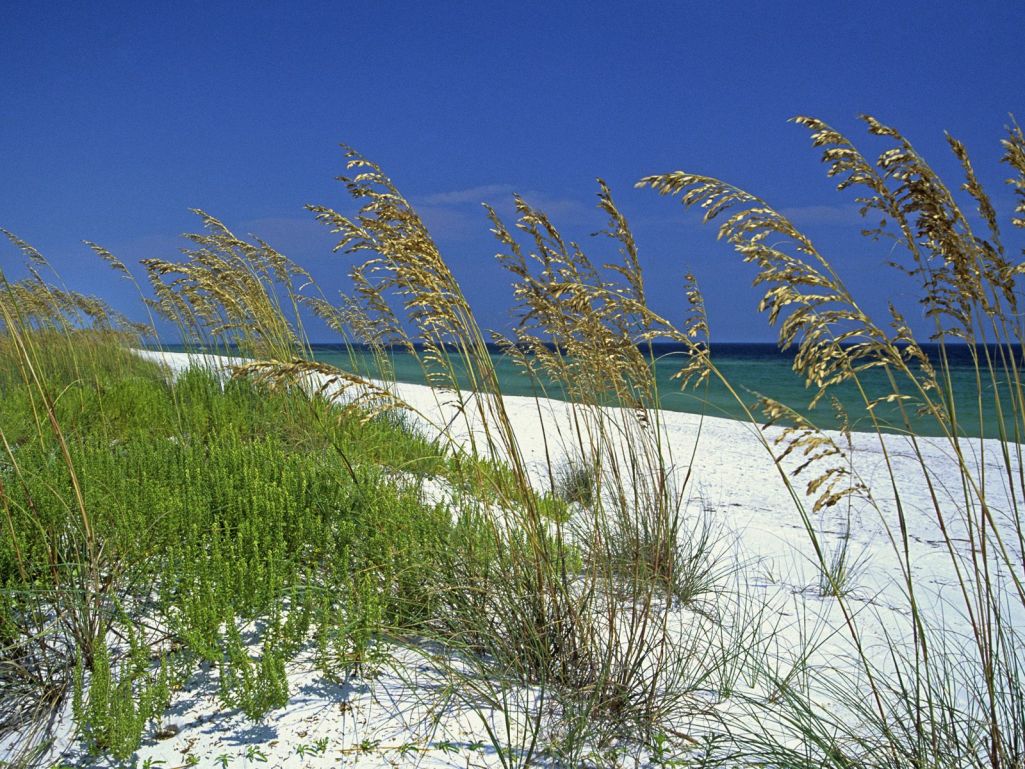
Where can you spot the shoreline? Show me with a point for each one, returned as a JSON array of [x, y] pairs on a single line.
[[725, 463], [760, 370]]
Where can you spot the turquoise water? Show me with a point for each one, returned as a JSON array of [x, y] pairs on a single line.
[[752, 369]]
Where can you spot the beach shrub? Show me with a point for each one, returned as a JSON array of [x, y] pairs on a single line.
[[220, 511]]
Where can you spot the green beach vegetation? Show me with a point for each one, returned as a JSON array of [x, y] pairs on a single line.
[[228, 519]]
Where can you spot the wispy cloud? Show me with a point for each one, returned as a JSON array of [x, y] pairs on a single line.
[[478, 194], [304, 234], [452, 222], [456, 214], [841, 216], [562, 211]]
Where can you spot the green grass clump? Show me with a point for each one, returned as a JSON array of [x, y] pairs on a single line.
[[577, 483]]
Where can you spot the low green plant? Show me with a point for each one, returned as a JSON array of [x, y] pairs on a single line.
[[253, 686], [553, 508], [214, 505], [253, 753], [348, 629], [113, 703]]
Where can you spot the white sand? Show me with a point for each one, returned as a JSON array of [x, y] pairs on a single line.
[[733, 480]]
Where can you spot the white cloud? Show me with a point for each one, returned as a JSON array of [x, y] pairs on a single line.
[[478, 194], [823, 215], [452, 223], [457, 214], [563, 211]]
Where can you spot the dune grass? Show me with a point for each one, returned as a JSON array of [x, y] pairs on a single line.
[[940, 699], [586, 612]]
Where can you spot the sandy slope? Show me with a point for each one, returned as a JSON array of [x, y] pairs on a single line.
[[732, 480]]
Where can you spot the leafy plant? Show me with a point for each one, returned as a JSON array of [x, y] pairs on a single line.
[[115, 702]]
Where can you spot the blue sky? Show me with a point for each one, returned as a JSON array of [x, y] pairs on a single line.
[[115, 119]]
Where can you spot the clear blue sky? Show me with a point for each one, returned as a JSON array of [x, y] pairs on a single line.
[[115, 119]]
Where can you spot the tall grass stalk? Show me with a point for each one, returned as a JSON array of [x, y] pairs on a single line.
[[956, 704]]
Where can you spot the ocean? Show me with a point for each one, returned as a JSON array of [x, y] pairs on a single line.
[[752, 370]]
